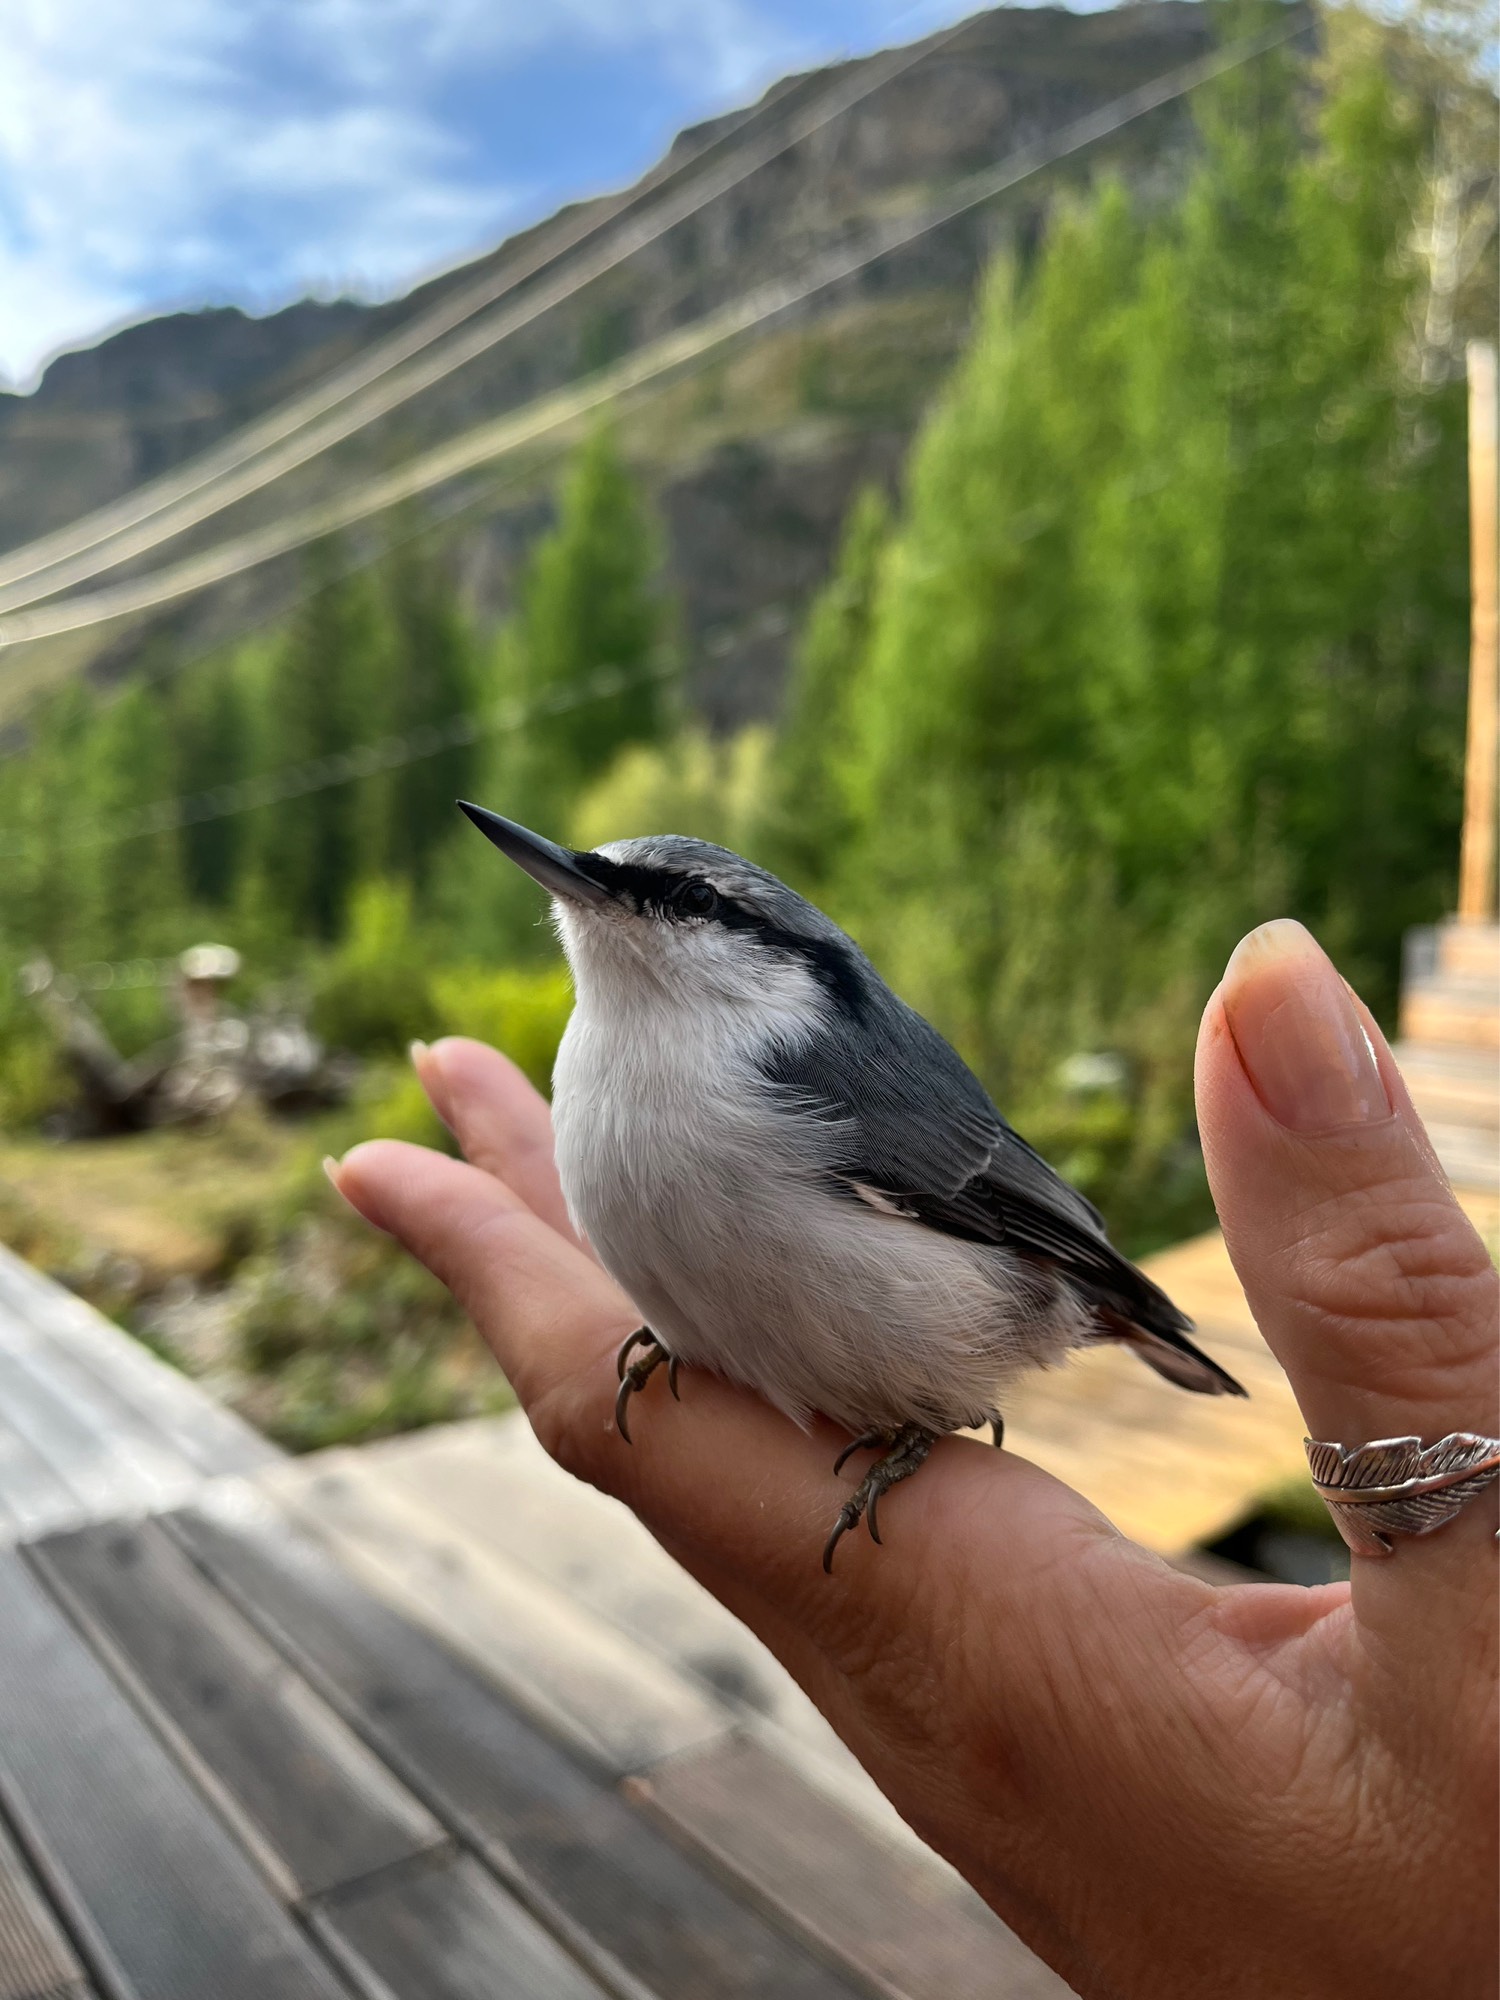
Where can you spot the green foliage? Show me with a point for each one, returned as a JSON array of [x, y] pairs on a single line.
[[588, 605], [424, 677], [804, 816], [689, 784], [33, 1080], [523, 1014], [210, 723], [373, 994], [317, 704]]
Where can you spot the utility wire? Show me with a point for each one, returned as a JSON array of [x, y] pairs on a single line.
[[677, 351], [378, 383]]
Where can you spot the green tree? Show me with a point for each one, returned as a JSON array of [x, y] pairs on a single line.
[[427, 680], [317, 699], [131, 874], [588, 606], [805, 821], [210, 726]]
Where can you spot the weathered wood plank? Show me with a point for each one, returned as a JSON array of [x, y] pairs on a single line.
[[492, 1483], [166, 1904], [33, 1497], [76, 1443], [636, 1912], [442, 1929], [209, 1438], [310, 1800], [578, 1678], [907, 1925], [141, 1461], [36, 1960]]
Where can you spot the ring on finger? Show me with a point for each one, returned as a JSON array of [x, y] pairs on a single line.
[[1399, 1486]]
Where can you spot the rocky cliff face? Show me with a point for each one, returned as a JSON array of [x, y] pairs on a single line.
[[753, 458]]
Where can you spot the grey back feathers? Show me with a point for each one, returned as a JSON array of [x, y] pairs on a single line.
[[798, 1180]]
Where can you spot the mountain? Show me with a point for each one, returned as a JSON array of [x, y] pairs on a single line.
[[752, 455]]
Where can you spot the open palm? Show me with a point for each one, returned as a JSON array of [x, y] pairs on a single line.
[[1165, 1788]]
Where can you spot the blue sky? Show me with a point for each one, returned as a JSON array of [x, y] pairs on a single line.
[[156, 153]]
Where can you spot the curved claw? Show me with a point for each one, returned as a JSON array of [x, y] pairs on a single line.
[[870, 1439], [672, 1367], [870, 1522], [622, 1403], [642, 1337], [997, 1432], [848, 1515]]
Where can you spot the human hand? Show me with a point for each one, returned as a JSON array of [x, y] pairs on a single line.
[[1165, 1788]]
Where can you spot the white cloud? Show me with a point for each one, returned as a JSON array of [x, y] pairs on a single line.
[[159, 150]]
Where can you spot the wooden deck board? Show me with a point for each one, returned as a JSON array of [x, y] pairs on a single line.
[[490, 1482], [33, 1494], [910, 1928], [578, 1679], [633, 1909], [314, 1803], [206, 1437], [166, 1904], [148, 1467], [36, 1960], [442, 1929]]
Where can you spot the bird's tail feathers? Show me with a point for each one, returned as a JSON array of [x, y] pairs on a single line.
[[1179, 1361]]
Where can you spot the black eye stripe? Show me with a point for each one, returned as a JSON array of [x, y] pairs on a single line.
[[650, 890]]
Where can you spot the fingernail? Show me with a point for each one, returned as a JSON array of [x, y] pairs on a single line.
[[430, 1076], [331, 1169], [1299, 1037]]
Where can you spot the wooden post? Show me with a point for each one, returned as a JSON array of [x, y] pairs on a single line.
[[1476, 877]]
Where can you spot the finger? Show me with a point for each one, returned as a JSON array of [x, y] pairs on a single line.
[[499, 1118], [1364, 1274], [544, 1307]]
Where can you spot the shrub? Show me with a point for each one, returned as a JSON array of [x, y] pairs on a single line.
[[373, 992], [521, 1013]]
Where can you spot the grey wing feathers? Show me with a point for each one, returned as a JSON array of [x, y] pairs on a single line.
[[920, 1131]]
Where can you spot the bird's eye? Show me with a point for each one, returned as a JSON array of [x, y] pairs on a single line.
[[694, 898]]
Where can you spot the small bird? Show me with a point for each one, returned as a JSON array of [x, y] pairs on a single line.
[[794, 1177]]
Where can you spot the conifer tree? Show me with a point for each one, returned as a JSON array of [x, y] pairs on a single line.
[[132, 875], [588, 604], [805, 819], [316, 702], [427, 678], [209, 723]]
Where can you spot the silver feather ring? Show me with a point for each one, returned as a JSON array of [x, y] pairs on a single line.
[[1399, 1486]]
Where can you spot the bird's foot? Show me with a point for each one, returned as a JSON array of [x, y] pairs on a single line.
[[907, 1449], [634, 1375]]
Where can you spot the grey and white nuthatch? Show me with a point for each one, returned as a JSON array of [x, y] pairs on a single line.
[[795, 1178]]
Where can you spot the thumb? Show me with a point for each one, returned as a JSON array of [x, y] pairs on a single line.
[[1364, 1274]]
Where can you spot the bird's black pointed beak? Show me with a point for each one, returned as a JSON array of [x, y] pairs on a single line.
[[556, 868]]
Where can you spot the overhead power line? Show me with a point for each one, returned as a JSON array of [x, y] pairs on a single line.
[[677, 351], [402, 367]]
